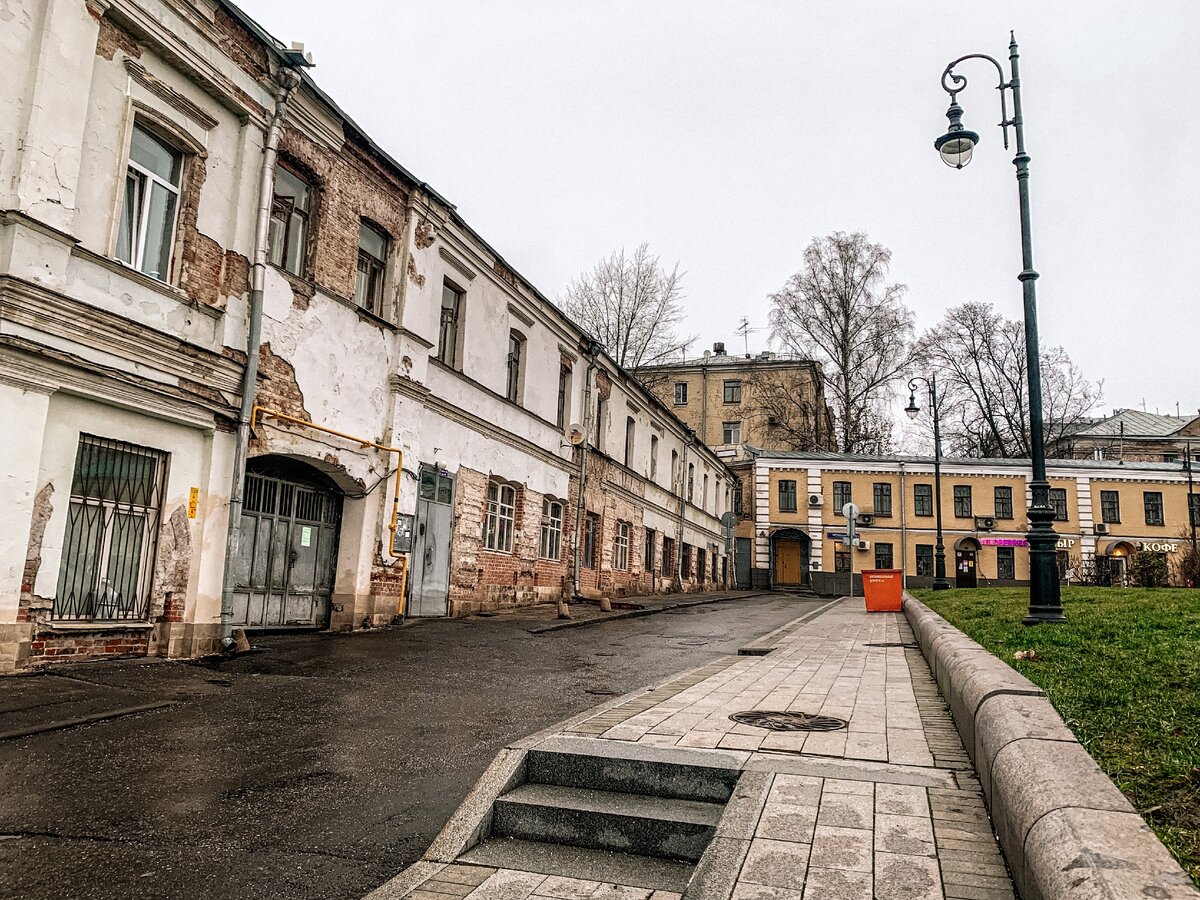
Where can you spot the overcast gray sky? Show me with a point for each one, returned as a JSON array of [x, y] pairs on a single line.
[[728, 135]]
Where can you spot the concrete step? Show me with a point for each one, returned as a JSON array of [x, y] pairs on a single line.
[[629, 771], [581, 862], [606, 820]]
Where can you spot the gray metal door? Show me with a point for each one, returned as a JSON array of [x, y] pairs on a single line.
[[288, 550], [432, 529], [741, 562]]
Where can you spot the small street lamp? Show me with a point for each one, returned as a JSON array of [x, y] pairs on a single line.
[[956, 147], [939, 558]]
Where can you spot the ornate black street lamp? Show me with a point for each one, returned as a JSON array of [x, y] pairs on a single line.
[[956, 147], [939, 555], [1193, 509]]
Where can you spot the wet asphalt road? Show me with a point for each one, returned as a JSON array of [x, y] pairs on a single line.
[[318, 769]]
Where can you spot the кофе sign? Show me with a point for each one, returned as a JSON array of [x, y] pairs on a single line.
[[1158, 546]]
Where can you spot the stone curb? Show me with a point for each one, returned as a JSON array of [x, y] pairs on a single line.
[[635, 613], [1066, 830]]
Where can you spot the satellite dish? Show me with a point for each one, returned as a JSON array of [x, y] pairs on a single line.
[[575, 435]]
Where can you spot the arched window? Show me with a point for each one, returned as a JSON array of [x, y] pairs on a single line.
[[550, 546], [630, 435], [653, 457], [501, 516]]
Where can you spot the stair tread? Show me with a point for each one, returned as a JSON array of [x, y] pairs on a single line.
[[581, 862], [643, 806]]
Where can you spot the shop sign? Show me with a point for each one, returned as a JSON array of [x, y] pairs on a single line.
[[1158, 546], [1065, 543], [1004, 542]]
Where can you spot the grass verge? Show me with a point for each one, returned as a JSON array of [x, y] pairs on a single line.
[[1124, 673]]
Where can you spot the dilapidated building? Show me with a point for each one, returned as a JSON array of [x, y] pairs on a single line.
[[182, 209]]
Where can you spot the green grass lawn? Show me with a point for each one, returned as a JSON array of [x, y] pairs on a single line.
[[1124, 673]]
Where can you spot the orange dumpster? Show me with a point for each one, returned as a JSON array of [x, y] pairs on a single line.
[[883, 589]]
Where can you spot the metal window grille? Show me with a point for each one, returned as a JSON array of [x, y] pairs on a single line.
[[923, 499], [1003, 503], [501, 514], [882, 498], [112, 531]]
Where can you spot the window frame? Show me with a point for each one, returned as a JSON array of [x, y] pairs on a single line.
[[591, 533], [963, 501], [731, 390], [1110, 515], [1154, 512], [785, 490], [649, 548], [925, 564], [667, 563], [564, 390], [496, 537], [621, 546], [1002, 501], [841, 559], [878, 547], [1006, 559], [514, 384], [145, 182], [287, 204], [630, 440], [843, 491], [1057, 498], [881, 490], [923, 500], [731, 432], [450, 325], [375, 273], [653, 457], [550, 538], [681, 393]]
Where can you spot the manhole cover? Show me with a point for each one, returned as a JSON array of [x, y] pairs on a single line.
[[907, 645], [788, 721]]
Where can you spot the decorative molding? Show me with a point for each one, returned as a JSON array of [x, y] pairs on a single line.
[[161, 287], [520, 314], [566, 351], [169, 95], [458, 265]]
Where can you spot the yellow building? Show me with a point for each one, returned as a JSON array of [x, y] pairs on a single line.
[[1105, 512]]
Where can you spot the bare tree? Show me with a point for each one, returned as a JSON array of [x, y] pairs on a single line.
[[781, 406], [979, 359], [632, 305], [840, 309]]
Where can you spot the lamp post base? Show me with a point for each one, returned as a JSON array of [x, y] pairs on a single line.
[[1046, 614]]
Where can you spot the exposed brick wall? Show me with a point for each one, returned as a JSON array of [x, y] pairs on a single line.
[[278, 390], [240, 45], [113, 37], [48, 647]]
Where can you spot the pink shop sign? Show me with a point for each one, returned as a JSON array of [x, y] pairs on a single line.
[[1004, 542]]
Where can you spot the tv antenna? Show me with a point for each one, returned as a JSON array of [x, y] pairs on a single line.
[[745, 331]]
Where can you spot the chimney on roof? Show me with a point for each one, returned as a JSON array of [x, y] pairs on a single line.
[[719, 348]]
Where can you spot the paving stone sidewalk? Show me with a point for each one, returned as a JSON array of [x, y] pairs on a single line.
[[889, 808]]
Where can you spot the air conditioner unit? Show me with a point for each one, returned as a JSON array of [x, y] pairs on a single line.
[[985, 523], [1101, 528], [816, 500], [865, 519], [864, 545]]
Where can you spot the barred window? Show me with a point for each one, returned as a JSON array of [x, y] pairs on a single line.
[[1110, 507], [112, 531], [787, 495], [1003, 508], [841, 495], [882, 497], [925, 560], [962, 501], [1006, 564], [501, 514], [923, 499], [1153, 503], [1058, 503], [621, 547], [552, 523], [883, 555]]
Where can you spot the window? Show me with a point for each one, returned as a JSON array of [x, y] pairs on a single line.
[[501, 513], [704, 494], [681, 393], [1002, 508], [923, 499], [731, 433], [591, 531], [882, 496], [962, 501], [372, 262], [630, 437], [601, 418], [737, 497], [621, 547], [674, 470], [653, 457], [436, 485], [146, 239], [925, 559], [449, 332], [668, 556], [287, 238], [564, 392], [648, 551], [1006, 564], [787, 495], [1153, 504], [733, 392], [112, 530], [685, 561], [691, 482], [883, 555], [516, 357], [1110, 507], [841, 559], [841, 495], [552, 522], [1063, 558], [1194, 509], [1058, 503]]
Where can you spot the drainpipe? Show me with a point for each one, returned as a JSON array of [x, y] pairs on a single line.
[[593, 350], [691, 439], [903, 532], [288, 79]]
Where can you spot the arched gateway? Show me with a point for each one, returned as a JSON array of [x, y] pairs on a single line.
[[790, 552], [290, 524]]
